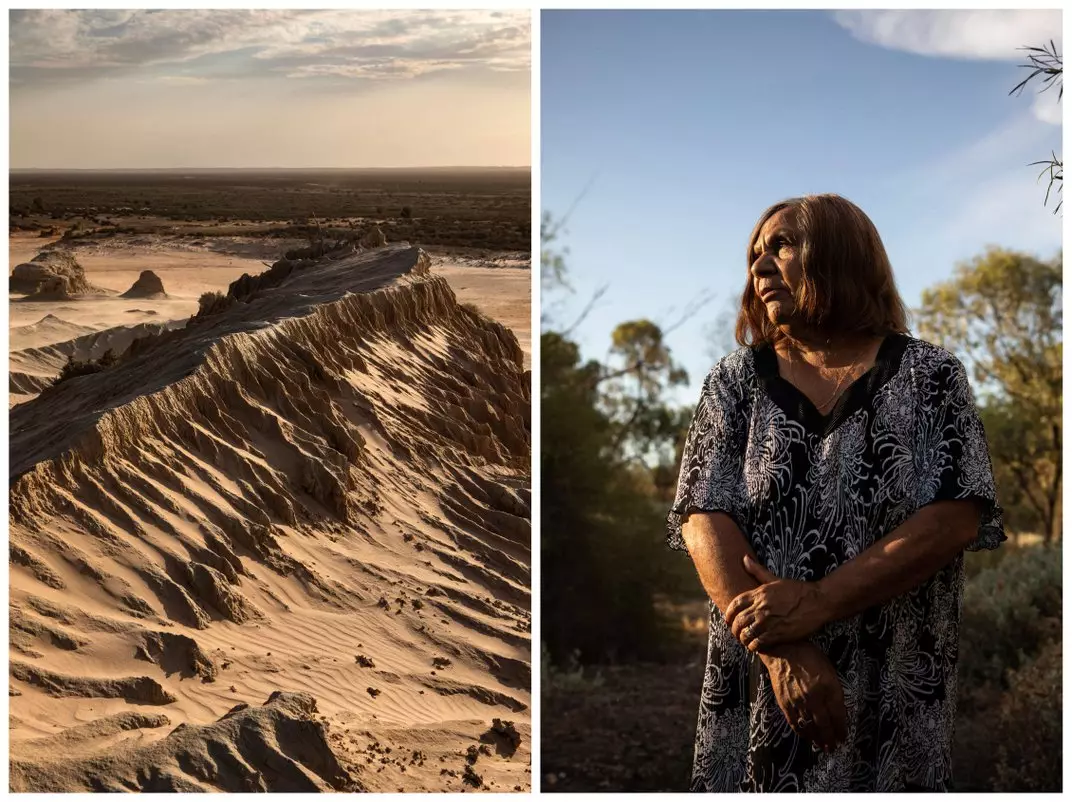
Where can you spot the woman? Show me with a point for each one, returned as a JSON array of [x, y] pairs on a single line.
[[833, 475]]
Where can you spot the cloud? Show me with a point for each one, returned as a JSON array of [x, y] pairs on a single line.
[[375, 68], [1047, 107], [981, 35], [183, 80], [987, 190], [990, 34], [64, 46]]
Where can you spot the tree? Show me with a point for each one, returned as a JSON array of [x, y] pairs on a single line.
[[1001, 313], [639, 371], [1047, 65], [602, 518]]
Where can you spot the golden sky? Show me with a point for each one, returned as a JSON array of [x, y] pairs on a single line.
[[281, 88]]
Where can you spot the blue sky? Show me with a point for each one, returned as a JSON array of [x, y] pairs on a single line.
[[685, 125]]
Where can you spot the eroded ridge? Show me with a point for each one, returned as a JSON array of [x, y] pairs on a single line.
[[335, 464]]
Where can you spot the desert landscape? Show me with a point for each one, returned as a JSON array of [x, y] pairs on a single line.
[[269, 490]]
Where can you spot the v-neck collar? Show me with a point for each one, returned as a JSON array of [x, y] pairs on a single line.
[[797, 406]]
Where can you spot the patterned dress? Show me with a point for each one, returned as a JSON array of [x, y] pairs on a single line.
[[811, 492]]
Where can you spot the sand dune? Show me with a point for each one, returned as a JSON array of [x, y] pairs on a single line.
[[47, 330], [319, 488], [33, 368]]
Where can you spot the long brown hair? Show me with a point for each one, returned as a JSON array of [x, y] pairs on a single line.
[[847, 284]]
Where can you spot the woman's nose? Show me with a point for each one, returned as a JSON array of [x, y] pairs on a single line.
[[763, 266]]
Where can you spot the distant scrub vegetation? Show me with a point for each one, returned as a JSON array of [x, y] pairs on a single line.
[[480, 209]]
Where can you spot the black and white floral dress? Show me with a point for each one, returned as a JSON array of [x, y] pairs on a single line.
[[811, 492]]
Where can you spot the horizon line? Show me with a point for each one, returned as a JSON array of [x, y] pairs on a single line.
[[196, 169]]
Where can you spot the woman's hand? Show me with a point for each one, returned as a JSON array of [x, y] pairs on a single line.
[[809, 693], [778, 611]]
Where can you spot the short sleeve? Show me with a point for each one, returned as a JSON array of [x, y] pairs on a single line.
[[953, 451], [711, 474]]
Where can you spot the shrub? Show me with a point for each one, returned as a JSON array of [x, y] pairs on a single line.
[[73, 368], [1028, 726], [1009, 611], [211, 302], [568, 678], [1008, 731]]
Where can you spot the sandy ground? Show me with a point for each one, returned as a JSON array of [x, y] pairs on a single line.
[[197, 562], [503, 294], [499, 287]]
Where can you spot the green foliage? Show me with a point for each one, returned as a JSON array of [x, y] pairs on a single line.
[[1008, 731], [552, 260], [1047, 65], [599, 528], [601, 534], [1001, 314], [1009, 611], [1028, 727]]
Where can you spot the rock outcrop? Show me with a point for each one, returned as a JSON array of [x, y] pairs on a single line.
[[148, 285], [51, 275]]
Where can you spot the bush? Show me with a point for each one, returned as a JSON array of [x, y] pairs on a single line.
[[571, 677], [1008, 730], [1009, 611], [212, 302], [73, 368], [1028, 727]]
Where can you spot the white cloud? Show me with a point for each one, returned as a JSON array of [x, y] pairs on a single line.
[[183, 80], [1047, 107], [375, 68], [64, 45], [982, 34], [987, 192]]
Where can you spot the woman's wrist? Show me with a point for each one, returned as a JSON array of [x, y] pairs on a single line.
[[825, 601], [776, 655]]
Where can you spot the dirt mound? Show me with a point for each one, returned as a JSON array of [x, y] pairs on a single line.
[[148, 285], [49, 329], [51, 275], [333, 463], [279, 746]]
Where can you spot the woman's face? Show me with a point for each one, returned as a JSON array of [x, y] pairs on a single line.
[[776, 269]]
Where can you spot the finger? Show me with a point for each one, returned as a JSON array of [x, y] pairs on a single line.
[[740, 603], [757, 642], [793, 717], [740, 624], [765, 634], [752, 635], [758, 571]]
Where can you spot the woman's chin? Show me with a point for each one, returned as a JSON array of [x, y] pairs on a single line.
[[779, 313]]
